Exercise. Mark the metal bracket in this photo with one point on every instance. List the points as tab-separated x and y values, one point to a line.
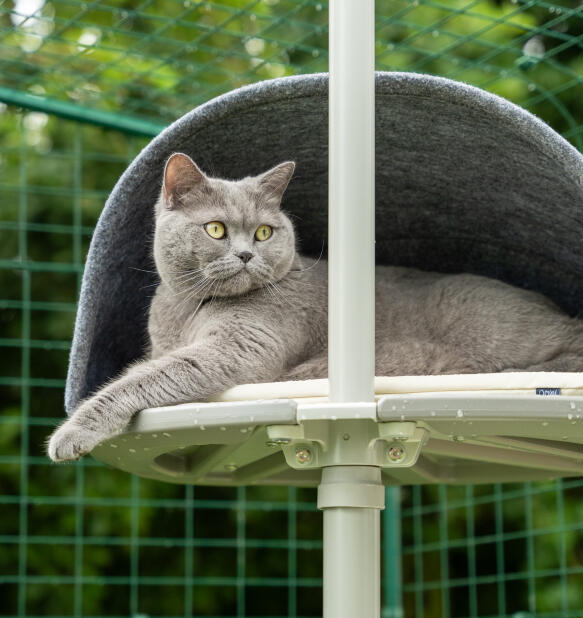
328	436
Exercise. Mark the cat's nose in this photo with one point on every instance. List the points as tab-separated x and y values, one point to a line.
245	256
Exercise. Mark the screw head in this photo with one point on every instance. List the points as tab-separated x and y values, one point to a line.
396	453
303	455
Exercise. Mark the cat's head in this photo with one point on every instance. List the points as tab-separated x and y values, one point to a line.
221	237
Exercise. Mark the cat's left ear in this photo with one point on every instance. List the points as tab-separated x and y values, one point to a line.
181	175
274	182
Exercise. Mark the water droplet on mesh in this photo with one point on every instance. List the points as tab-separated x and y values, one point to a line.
534	47
460	413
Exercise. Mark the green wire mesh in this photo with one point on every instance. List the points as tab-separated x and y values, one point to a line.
153	60
494	550
85	540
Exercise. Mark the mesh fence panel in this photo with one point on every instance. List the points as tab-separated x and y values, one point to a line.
85	540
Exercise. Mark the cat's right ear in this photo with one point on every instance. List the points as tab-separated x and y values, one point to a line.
181	175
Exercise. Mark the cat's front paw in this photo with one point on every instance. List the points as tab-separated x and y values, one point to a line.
71	441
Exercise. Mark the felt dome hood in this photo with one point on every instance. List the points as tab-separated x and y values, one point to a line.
465	181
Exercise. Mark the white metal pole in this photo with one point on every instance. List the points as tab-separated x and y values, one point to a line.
351	496
352	570
351	201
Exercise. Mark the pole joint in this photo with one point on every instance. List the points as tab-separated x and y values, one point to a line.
347	435
352	487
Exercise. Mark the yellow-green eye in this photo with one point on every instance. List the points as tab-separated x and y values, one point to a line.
263	232
215	229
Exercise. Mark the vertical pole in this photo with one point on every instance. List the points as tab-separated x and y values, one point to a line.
351	496
351	201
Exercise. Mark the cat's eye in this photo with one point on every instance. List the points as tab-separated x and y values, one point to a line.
263	232
215	229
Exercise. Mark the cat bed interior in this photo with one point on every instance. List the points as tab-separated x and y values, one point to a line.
465	181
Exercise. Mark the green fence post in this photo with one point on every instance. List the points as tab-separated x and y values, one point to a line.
392	555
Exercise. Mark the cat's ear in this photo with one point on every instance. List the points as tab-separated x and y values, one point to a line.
181	175
274	182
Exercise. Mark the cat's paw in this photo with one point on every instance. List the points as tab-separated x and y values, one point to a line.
71	441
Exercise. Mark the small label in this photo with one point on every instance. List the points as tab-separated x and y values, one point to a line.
548	391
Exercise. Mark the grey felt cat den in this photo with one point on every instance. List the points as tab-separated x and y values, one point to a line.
465	181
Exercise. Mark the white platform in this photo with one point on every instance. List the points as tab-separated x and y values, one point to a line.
453	429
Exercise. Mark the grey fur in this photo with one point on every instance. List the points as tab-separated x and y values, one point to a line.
217	320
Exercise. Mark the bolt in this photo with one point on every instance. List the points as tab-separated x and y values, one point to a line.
303	455
278	442
396	453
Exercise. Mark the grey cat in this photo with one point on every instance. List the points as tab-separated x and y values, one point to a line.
237	304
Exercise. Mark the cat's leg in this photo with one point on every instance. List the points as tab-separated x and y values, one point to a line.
188	374
311	369
414	357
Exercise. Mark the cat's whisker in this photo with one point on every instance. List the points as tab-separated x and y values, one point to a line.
143	270
284	295
191	283
217	288
277	291
155	272
198	283
187	273
268	289
150	285
198	289
303	270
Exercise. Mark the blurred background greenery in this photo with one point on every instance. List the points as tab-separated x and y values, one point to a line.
84	85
